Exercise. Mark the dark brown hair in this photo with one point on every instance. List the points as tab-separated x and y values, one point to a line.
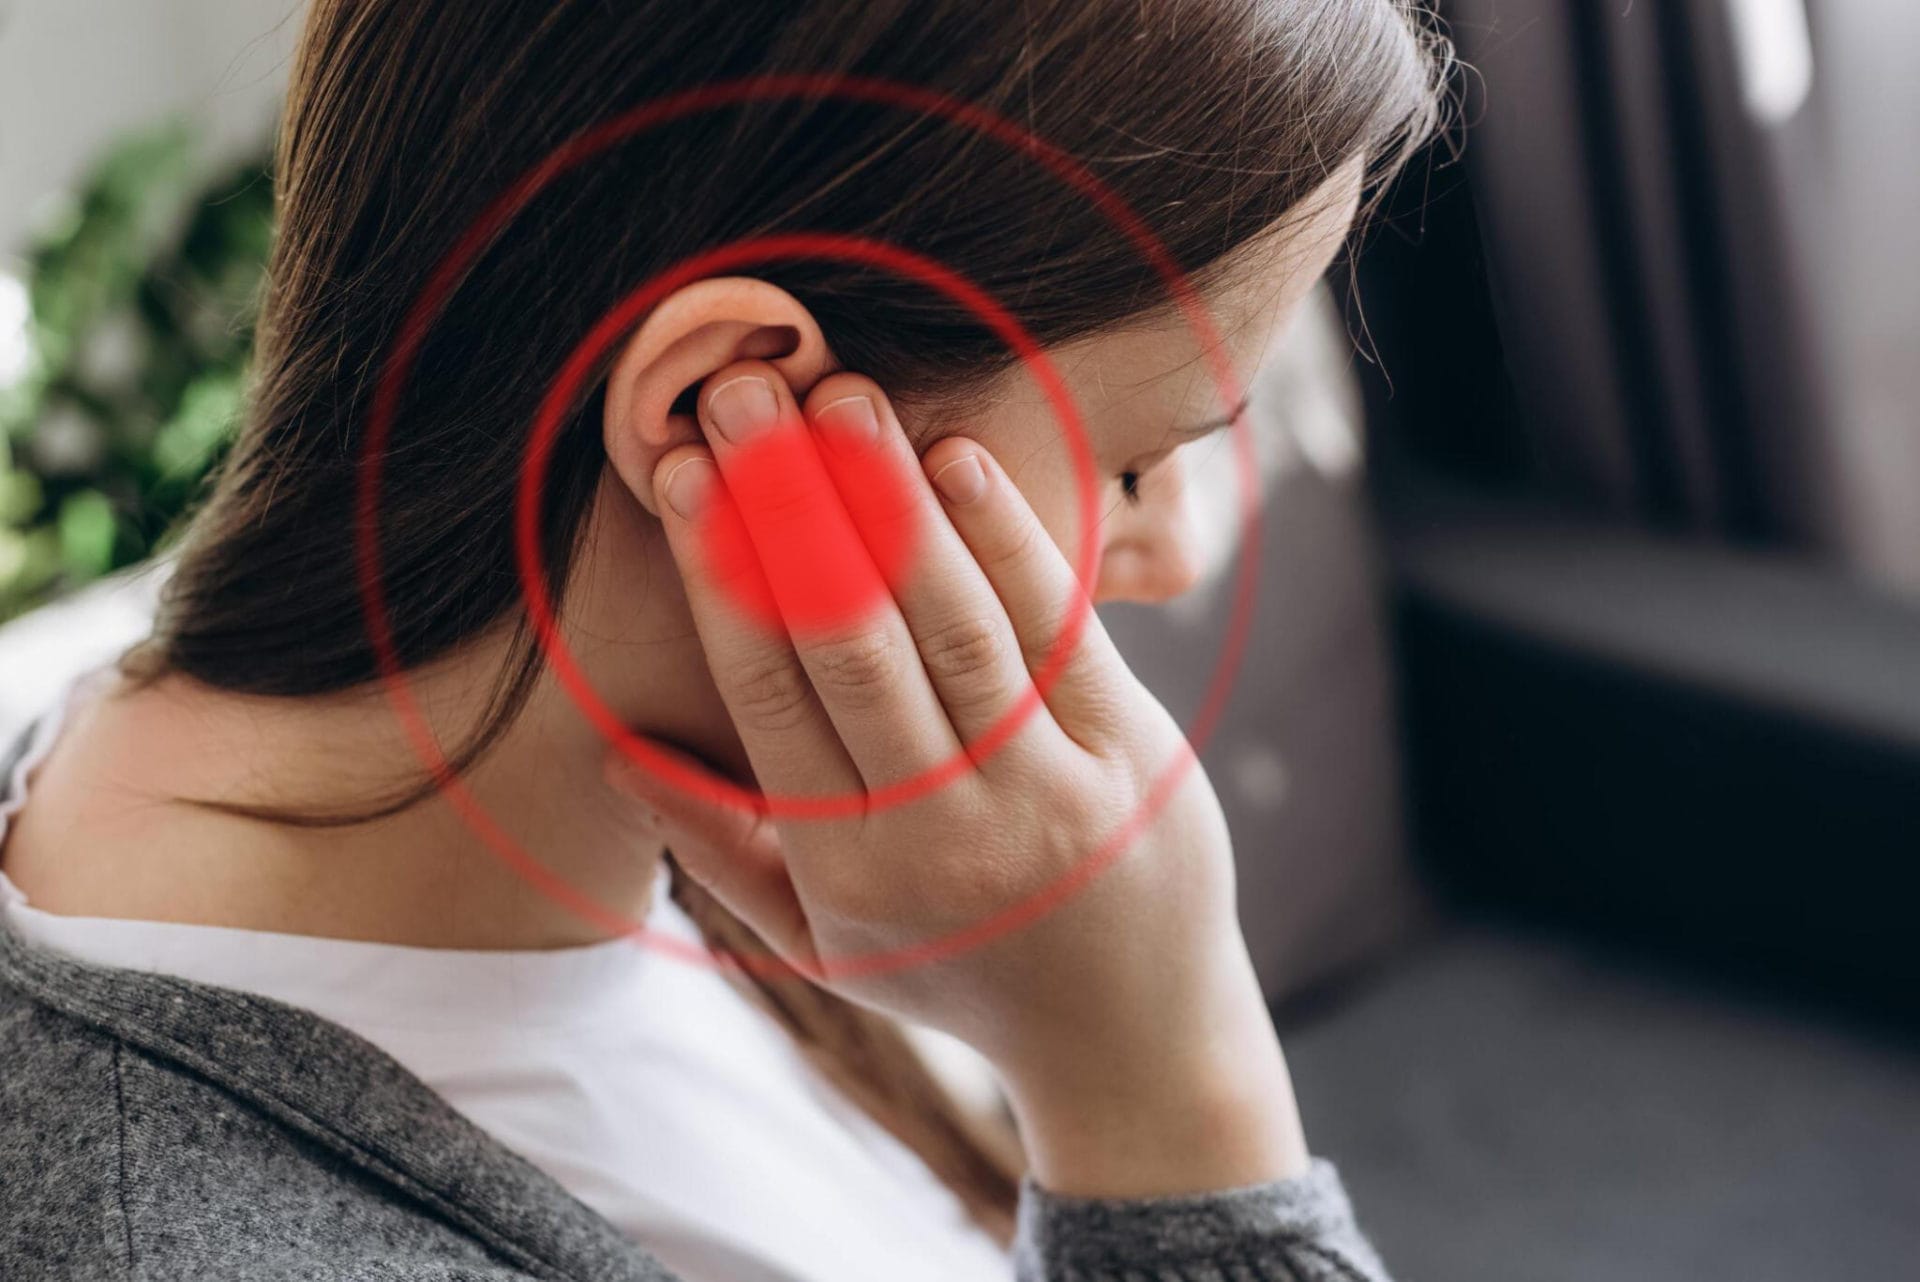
1213	119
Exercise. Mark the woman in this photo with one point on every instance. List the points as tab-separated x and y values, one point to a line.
272	1007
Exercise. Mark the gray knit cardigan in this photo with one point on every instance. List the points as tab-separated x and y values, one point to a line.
153	1128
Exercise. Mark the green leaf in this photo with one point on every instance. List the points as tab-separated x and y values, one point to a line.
20	496
91	259
86	526
190	440
29	562
141	293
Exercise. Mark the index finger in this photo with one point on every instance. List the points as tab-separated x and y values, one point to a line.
789	740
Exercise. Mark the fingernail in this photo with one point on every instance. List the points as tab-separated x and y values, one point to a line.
962	481
742	406
688	485
850	420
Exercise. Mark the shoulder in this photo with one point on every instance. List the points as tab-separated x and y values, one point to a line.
119	1164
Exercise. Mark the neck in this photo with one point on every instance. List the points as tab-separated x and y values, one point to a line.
119	789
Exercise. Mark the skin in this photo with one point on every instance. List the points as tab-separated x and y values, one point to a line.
106	836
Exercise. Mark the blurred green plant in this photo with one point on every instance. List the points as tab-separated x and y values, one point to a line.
123	359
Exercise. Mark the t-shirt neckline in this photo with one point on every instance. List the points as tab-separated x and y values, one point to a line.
358	982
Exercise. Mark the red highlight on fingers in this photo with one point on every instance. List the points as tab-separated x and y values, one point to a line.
786	551
555	412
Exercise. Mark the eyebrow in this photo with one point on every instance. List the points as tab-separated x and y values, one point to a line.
1211	426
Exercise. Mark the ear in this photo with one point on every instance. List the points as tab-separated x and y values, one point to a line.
694	332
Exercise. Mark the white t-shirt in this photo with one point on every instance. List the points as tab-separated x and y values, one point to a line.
645	1086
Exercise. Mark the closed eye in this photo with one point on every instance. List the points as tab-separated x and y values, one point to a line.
1201	430
1131	478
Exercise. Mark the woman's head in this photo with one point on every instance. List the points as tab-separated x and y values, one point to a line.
1148	386
1225	124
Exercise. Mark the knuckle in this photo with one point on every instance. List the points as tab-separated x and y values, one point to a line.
963	652
770	696
784	502
1015	545
858	668
1045	641
890	514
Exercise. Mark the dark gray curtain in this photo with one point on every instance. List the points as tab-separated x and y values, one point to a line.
1652	248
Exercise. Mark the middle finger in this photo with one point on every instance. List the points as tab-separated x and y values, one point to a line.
833	602
967	642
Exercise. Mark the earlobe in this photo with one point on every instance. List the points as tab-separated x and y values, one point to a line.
693	332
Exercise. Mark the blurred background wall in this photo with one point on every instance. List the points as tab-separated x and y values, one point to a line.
75	74
1865	58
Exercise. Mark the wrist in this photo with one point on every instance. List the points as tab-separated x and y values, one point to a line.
1190	1106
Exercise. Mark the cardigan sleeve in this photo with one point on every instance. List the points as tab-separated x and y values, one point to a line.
1298	1230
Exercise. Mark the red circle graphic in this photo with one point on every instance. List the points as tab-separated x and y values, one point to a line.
450	272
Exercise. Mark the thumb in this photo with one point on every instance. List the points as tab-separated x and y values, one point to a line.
733	851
